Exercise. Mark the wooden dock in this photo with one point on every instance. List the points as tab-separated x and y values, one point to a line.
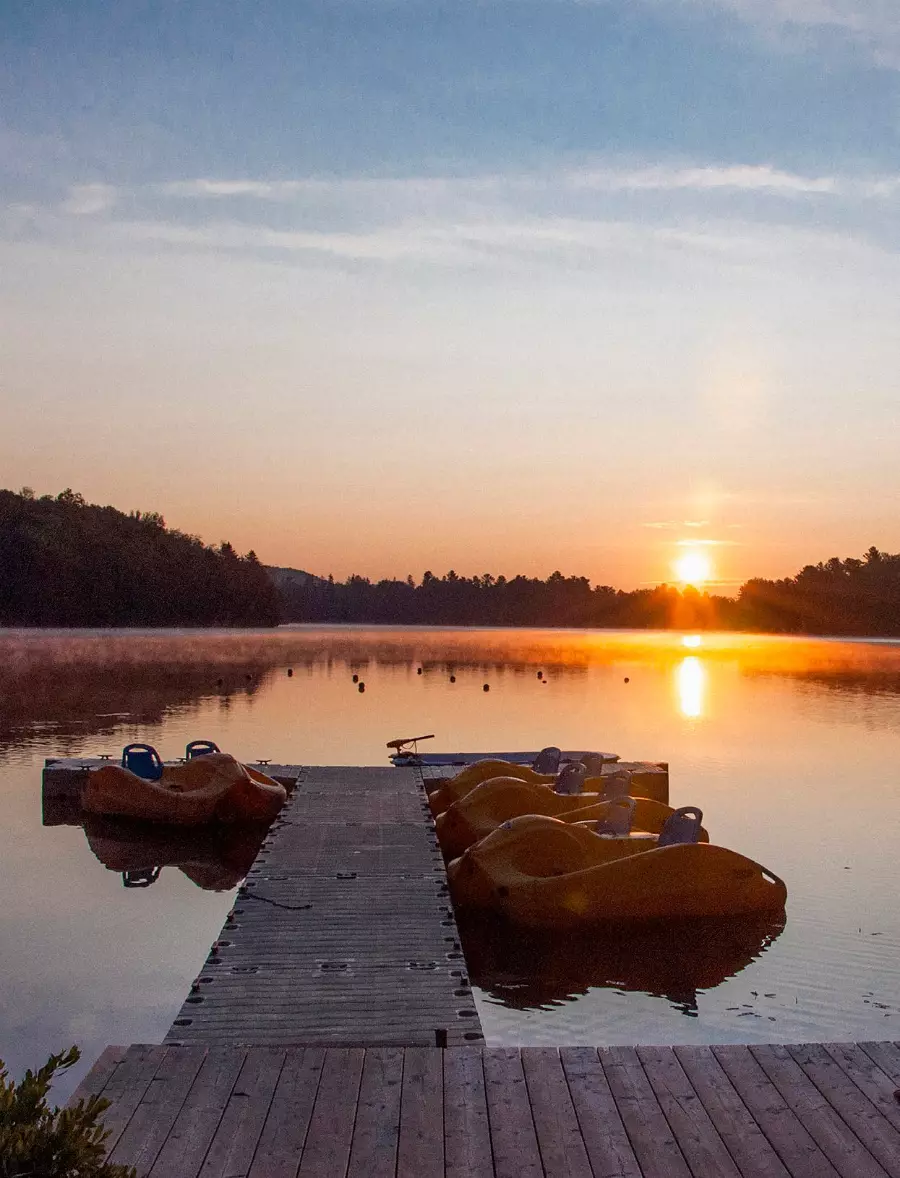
811	1111
332	1034
343	932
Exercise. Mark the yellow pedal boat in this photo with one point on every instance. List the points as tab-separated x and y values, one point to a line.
542	872
210	788
646	779
495	801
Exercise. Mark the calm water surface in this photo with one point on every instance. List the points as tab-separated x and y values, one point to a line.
791	747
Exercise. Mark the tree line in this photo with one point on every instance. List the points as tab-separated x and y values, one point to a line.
66	562
842	597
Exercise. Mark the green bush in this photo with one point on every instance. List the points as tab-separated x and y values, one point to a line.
37	1141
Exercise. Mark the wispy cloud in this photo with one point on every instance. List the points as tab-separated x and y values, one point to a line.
873	24
675	524
758	178
88	200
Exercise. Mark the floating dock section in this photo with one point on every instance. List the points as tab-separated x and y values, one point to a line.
343	932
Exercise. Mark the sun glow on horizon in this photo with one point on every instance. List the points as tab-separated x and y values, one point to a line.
694	568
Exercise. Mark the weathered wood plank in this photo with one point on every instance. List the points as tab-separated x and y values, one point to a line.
563	1154
887	1056
196	1124
799	1152
373	1151
284	1133
515	1146
703	1148
327	1149
146	1132
602	1129
420	1150
842	1096
126	1087
651	1138
234	1143
98	1076
837	1141
745	1141
868	1077
467	1134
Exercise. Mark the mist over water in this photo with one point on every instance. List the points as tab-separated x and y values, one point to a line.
790	747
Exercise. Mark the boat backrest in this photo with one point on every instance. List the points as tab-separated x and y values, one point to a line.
143	761
593	762
198	748
547	760
570	778
618	820
616	785
682	826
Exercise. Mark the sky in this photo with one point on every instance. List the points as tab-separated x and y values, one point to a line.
491	285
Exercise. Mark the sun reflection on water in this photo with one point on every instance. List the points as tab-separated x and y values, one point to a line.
691	684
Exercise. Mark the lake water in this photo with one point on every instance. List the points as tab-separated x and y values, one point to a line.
791	747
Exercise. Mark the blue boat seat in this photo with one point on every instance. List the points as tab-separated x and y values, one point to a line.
619	818
683	826
143	760
570	778
199	748
547	760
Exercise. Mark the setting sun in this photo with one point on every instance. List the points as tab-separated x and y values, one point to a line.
693	568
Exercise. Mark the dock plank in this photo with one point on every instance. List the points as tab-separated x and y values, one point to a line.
648	1130
195	1126
98	1075
745	1141
467	1133
837	1141
155	1115
785	1132
284	1132
563	1154
515	1146
420	1149
703	1148
234	1142
328	1142
601	1125
373	1152
842	1096
126	1087
868	1077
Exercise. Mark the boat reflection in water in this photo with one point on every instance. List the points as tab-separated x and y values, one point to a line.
674	960
216	860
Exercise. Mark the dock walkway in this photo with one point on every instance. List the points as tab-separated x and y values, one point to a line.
813	1111
343	933
332	1034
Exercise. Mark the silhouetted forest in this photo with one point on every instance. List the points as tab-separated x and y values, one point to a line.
833	597
452	600
852	597
65	562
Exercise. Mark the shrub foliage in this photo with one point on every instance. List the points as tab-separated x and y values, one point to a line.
37	1141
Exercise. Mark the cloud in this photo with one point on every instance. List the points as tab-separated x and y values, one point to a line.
871	24
739	178
757	179
674	524
87	200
